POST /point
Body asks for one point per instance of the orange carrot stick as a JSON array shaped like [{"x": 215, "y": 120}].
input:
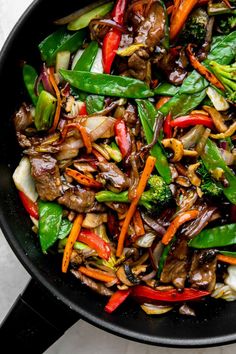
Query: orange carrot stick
[
  {"x": 226, "y": 259},
  {"x": 138, "y": 224},
  {"x": 71, "y": 241},
  {"x": 177, "y": 222},
  {"x": 203, "y": 70},
  {"x": 84, "y": 135},
  {"x": 170, "y": 9},
  {"x": 150, "y": 163},
  {"x": 58, "y": 95},
  {"x": 179, "y": 16},
  {"x": 82, "y": 179},
  {"x": 97, "y": 274},
  {"x": 86, "y": 138},
  {"x": 162, "y": 101}
]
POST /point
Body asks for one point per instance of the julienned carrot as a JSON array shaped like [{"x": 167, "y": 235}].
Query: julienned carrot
[
  {"x": 82, "y": 179},
  {"x": 86, "y": 138},
  {"x": 150, "y": 163},
  {"x": 84, "y": 135},
  {"x": 138, "y": 224},
  {"x": 58, "y": 95},
  {"x": 226, "y": 259},
  {"x": 162, "y": 101},
  {"x": 202, "y": 69},
  {"x": 97, "y": 274},
  {"x": 177, "y": 222},
  {"x": 71, "y": 241},
  {"x": 179, "y": 16}
]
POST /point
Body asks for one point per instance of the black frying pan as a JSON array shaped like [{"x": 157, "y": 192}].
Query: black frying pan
[{"x": 53, "y": 302}]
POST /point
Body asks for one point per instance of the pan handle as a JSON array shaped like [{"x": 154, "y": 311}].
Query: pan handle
[{"x": 35, "y": 321}]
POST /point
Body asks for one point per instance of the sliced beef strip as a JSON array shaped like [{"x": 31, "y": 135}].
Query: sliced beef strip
[
  {"x": 137, "y": 67},
  {"x": 95, "y": 286},
  {"x": 175, "y": 270},
  {"x": 45, "y": 171},
  {"x": 23, "y": 118},
  {"x": 80, "y": 200},
  {"x": 150, "y": 31},
  {"x": 203, "y": 270},
  {"x": 23, "y": 140},
  {"x": 115, "y": 178}
]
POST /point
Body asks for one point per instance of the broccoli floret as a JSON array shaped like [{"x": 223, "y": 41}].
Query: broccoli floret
[
  {"x": 227, "y": 75},
  {"x": 194, "y": 30},
  {"x": 227, "y": 24},
  {"x": 157, "y": 196},
  {"x": 208, "y": 186}
]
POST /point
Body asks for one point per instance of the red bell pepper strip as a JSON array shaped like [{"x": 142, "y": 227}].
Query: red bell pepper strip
[
  {"x": 112, "y": 39},
  {"x": 30, "y": 206},
  {"x": 167, "y": 129},
  {"x": 95, "y": 242},
  {"x": 83, "y": 110},
  {"x": 193, "y": 119},
  {"x": 145, "y": 294},
  {"x": 116, "y": 300},
  {"x": 122, "y": 137}
]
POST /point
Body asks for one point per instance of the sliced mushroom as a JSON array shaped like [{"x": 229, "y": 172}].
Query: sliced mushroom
[
  {"x": 176, "y": 146},
  {"x": 125, "y": 275},
  {"x": 191, "y": 173},
  {"x": 217, "y": 118},
  {"x": 93, "y": 220}
]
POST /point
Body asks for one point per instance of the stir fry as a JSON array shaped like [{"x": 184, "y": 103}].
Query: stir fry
[{"x": 128, "y": 135}]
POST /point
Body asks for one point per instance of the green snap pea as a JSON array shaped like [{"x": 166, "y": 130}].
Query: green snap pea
[
  {"x": 60, "y": 41},
  {"x": 147, "y": 115},
  {"x": 84, "y": 20},
  {"x": 166, "y": 89},
  {"x": 50, "y": 217},
  {"x": 45, "y": 110},
  {"x": 107, "y": 85},
  {"x": 220, "y": 236},
  {"x": 65, "y": 228},
  {"x": 94, "y": 103},
  {"x": 85, "y": 62},
  {"x": 212, "y": 160}
]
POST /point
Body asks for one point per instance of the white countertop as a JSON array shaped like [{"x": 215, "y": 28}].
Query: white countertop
[{"x": 82, "y": 337}]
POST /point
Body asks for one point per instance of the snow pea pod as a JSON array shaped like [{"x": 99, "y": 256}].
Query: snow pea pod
[
  {"x": 86, "y": 60},
  {"x": 212, "y": 159},
  {"x": 50, "y": 217},
  {"x": 147, "y": 114},
  {"x": 44, "y": 112},
  {"x": 30, "y": 76},
  {"x": 107, "y": 85},
  {"x": 94, "y": 103},
  {"x": 220, "y": 236},
  {"x": 65, "y": 228},
  {"x": 182, "y": 104},
  {"x": 83, "y": 20},
  {"x": 166, "y": 89},
  {"x": 60, "y": 41}
]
